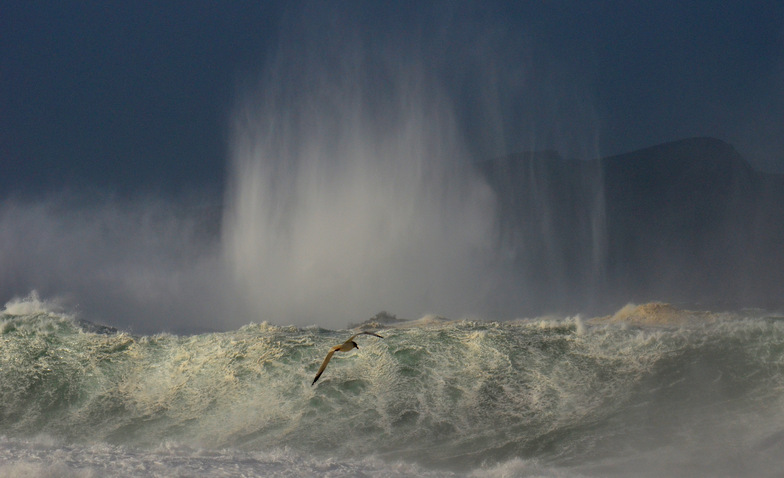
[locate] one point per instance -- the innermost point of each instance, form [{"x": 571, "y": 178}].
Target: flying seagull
[{"x": 344, "y": 347}]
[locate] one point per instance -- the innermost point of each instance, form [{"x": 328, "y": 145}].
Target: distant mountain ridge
[{"x": 686, "y": 222}]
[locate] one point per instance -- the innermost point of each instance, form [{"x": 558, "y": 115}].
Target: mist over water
[
  {"x": 352, "y": 189},
  {"x": 355, "y": 182},
  {"x": 372, "y": 170},
  {"x": 353, "y": 192},
  {"x": 147, "y": 263}
]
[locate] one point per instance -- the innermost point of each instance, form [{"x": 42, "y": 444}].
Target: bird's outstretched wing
[
  {"x": 335, "y": 349},
  {"x": 324, "y": 364},
  {"x": 365, "y": 333}
]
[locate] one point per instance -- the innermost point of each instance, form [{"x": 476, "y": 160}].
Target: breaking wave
[{"x": 558, "y": 396}]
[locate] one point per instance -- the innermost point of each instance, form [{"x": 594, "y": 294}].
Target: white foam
[
  {"x": 23, "y": 459},
  {"x": 31, "y": 305}
]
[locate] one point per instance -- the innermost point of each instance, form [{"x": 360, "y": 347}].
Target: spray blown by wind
[
  {"x": 351, "y": 193},
  {"x": 353, "y": 187}
]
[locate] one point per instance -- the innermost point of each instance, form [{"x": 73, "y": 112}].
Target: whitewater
[{"x": 650, "y": 391}]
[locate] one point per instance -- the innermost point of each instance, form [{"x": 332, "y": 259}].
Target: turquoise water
[{"x": 552, "y": 397}]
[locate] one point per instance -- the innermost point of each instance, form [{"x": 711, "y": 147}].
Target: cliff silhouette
[{"x": 686, "y": 222}]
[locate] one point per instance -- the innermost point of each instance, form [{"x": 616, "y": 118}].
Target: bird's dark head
[{"x": 355, "y": 344}]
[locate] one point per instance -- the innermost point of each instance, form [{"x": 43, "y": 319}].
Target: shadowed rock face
[{"x": 686, "y": 222}]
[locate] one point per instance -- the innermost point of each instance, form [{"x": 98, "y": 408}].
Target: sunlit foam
[{"x": 30, "y": 305}]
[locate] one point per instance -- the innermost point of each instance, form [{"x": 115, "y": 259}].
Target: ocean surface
[{"x": 651, "y": 391}]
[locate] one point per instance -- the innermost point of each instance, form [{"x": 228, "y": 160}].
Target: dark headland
[{"x": 686, "y": 222}]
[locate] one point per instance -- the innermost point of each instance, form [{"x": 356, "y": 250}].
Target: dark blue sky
[{"x": 140, "y": 95}]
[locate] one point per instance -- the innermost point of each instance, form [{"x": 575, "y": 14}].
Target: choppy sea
[{"x": 652, "y": 391}]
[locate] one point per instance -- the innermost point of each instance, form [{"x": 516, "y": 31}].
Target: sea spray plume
[
  {"x": 353, "y": 181},
  {"x": 350, "y": 191},
  {"x": 344, "y": 347}
]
